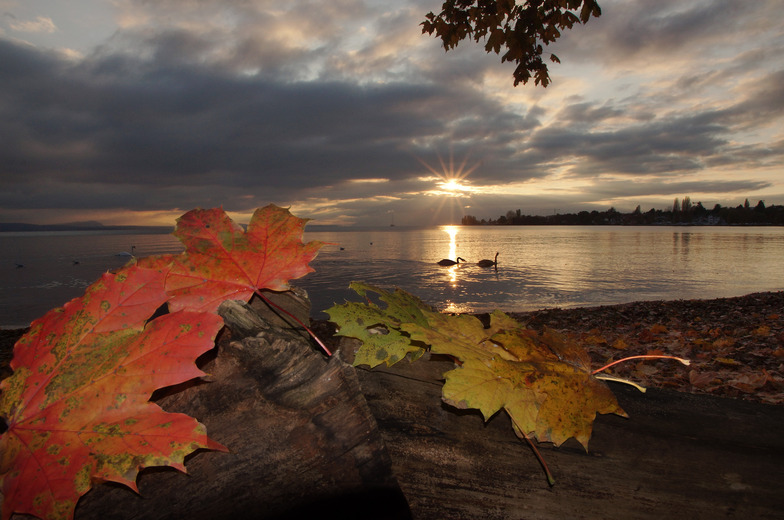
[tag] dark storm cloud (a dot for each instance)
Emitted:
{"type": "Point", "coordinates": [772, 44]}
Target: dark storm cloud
{"type": "Point", "coordinates": [670, 144]}
{"type": "Point", "coordinates": [659, 147]}
{"type": "Point", "coordinates": [639, 29]}
{"type": "Point", "coordinates": [764, 103]}
{"type": "Point", "coordinates": [206, 102]}
{"type": "Point", "coordinates": [614, 189]}
{"type": "Point", "coordinates": [116, 120]}
{"type": "Point", "coordinates": [673, 24]}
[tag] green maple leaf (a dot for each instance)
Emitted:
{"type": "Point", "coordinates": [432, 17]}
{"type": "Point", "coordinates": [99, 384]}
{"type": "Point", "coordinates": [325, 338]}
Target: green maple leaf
{"type": "Point", "coordinates": [377, 328]}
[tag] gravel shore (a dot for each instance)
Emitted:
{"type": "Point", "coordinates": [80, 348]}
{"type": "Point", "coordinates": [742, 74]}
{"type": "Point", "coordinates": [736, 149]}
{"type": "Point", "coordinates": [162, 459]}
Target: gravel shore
{"type": "Point", "coordinates": [736, 345]}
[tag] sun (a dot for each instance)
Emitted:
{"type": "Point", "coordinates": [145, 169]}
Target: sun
{"type": "Point", "coordinates": [453, 185]}
{"type": "Point", "coordinates": [449, 179]}
{"type": "Point", "coordinates": [451, 189]}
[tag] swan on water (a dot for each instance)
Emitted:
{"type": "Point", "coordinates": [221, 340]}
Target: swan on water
{"type": "Point", "coordinates": [488, 263]}
{"type": "Point", "coordinates": [447, 262]}
{"type": "Point", "coordinates": [126, 253]}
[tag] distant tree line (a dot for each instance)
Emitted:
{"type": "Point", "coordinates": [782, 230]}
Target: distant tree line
{"type": "Point", "coordinates": [683, 212]}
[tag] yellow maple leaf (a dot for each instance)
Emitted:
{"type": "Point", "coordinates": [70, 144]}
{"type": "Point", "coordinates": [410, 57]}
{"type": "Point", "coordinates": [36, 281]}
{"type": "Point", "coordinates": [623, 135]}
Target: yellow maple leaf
{"type": "Point", "coordinates": [542, 381]}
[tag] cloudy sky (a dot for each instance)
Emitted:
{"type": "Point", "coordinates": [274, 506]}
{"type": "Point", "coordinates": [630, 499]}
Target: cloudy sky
{"type": "Point", "coordinates": [135, 111]}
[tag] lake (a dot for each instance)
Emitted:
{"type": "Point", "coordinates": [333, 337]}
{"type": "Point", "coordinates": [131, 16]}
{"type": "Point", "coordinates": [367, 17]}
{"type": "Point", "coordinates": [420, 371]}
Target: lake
{"type": "Point", "coordinates": [538, 266]}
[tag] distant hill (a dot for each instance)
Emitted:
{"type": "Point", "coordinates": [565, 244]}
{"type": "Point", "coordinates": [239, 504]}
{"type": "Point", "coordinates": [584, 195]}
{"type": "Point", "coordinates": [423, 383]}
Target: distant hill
{"type": "Point", "coordinates": [78, 226]}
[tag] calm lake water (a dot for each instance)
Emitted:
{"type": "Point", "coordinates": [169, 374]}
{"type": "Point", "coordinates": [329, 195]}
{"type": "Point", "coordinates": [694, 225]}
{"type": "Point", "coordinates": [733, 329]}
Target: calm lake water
{"type": "Point", "coordinates": [538, 267]}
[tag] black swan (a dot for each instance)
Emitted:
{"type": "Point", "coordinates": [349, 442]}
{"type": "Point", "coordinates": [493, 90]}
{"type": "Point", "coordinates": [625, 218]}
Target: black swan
{"type": "Point", "coordinates": [488, 263]}
{"type": "Point", "coordinates": [447, 262]}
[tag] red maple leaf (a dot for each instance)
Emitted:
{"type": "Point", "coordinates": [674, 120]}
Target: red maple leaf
{"type": "Point", "coordinates": [223, 262]}
{"type": "Point", "coordinates": [77, 405]}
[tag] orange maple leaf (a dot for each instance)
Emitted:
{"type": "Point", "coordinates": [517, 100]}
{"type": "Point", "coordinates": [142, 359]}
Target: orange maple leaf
{"type": "Point", "coordinates": [223, 262]}
{"type": "Point", "coordinates": [77, 405]}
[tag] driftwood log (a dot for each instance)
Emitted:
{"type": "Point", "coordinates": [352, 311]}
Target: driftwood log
{"type": "Point", "coordinates": [677, 456]}
{"type": "Point", "coordinates": [302, 441]}
{"type": "Point", "coordinates": [311, 437]}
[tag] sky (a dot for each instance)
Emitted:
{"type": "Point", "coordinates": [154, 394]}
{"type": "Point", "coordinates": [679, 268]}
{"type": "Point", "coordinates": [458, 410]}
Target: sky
{"type": "Point", "coordinates": [132, 112]}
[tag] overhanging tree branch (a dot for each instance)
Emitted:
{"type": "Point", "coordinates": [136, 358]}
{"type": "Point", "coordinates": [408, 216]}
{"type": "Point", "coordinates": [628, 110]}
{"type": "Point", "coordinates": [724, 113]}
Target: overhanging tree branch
{"type": "Point", "coordinates": [522, 29]}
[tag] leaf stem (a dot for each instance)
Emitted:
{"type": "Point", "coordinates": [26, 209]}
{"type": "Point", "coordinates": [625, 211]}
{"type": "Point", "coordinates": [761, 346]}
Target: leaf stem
{"type": "Point", "coordinates": [550, 478]}
{"type": "Point", "coordinates": [312, 334]}
{"type": "Point", "coordinates": [647, 356]}
{"type": "Point", "coordinates": [624, 381]}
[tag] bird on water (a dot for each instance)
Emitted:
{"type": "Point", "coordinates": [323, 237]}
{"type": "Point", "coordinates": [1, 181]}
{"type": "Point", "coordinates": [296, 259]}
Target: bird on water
{"type": "Point", "coordinates": [447, 262]}
{"type": "Point", "coordinates": [126, 253]}
{"type": "Point", "coordinates": [488, 263]}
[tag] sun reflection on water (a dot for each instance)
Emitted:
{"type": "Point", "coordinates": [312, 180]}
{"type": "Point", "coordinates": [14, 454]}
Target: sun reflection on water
{"type": "Point", "coordinates": [452, 269]}
{"type": "Point", "coordinates": [452, 232]}
{"type": "Point", "coordinates": [457, 308]}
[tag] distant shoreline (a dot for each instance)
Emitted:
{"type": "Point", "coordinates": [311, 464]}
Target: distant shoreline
{"type": "Point", "coordinates": [621, 224]}
{"type": "Point", "coordinates": [15, 227]}
{"type": "Point", "coordinates": [19, 227]}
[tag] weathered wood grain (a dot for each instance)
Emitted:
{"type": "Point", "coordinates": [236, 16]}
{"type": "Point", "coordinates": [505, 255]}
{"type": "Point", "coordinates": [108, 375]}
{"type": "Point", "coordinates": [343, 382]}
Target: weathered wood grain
{"type": "Point", "coordinates": [302, 441]}
{"type": "Point", "coordinates": [678, 455]}
{"type": "Point", "coordinates": [311, 437]}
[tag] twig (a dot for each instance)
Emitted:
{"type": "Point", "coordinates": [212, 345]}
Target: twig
{"type": "Point", "coordinates": [312, 334]}
{"type": "Point", "coordinates": [647, 356]}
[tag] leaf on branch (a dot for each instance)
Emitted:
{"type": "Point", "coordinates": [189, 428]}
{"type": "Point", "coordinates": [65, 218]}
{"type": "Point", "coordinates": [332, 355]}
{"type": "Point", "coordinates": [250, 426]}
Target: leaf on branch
{"type": "Point", "coordinates": [77, 405]}
{"type": "Point", "coordinates": [497, 38]}
{"type": "Point", "coordinates": [520, 27]}
{"type": "Point", "coordinates": [223, 262]}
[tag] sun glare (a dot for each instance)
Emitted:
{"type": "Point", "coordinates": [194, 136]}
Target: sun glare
{"type": "Point", "coordinates": [453, 185]}
{"type": "Point", "coordinates": [449, 179]}
{"type": "Point", "coordinates": [450, 187]}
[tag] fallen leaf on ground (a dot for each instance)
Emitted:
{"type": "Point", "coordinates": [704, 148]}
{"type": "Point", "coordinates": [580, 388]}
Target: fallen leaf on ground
{"type": "Point", "coordinates": [77, 405]}
{"type": "Point", "coordinates": [748, 382]}
{"type": "Point", "coordinates": [702, 379]}
{"type": "Point", "coordinates": [543, 382]}
{"type": "Point", "coordinates": [223, 262]}
{"type": "Point", "coordinates": [377, 328]}
{"type": "Point", "coordinates": [620, 344]}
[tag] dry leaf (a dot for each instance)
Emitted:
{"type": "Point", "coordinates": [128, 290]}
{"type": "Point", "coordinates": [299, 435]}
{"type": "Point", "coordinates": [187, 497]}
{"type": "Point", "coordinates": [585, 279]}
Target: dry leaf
{"type": "Point", "coordinates": [620, 344]}
{"type": "Point", "coordinates": [749, 382]}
